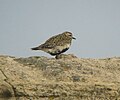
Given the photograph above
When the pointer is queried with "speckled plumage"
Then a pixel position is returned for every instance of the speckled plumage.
(56, 44)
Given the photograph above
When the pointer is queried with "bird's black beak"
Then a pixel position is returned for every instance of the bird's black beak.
(74, 38)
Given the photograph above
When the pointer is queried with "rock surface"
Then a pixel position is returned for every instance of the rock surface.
(67, 78)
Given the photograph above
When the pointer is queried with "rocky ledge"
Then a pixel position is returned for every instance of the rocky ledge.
(66, 78)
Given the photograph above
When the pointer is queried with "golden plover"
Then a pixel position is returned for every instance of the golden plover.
(56, 44)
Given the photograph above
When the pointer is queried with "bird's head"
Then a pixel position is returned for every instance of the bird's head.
(69, 35)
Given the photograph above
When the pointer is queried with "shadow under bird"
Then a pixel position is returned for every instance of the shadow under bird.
(57, 44)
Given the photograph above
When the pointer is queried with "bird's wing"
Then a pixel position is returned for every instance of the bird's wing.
(50, 43)
(47, 46)
(53, 42)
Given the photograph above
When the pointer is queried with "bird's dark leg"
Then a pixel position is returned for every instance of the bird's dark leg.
(57, 56)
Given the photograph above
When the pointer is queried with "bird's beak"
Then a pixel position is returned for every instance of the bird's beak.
(74, 38)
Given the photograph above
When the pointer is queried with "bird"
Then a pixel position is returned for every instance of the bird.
(56, 44)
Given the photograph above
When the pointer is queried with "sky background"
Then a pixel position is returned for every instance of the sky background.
(27, 23)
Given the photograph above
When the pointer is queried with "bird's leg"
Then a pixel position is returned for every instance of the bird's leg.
(57, 56)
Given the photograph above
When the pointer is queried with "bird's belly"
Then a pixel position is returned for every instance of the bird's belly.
(58, 49)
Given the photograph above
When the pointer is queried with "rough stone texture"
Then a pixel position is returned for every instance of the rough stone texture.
(66, 78)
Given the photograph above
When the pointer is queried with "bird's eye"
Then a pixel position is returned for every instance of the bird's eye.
(70, 34)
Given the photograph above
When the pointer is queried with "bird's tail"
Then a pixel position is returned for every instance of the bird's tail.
(35, 48)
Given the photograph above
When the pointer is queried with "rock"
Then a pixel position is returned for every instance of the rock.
(66, 78)
(64, 56)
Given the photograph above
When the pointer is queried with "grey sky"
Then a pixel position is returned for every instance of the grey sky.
(27, 23)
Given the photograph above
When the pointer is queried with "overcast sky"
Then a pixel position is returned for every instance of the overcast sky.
(28, 23)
